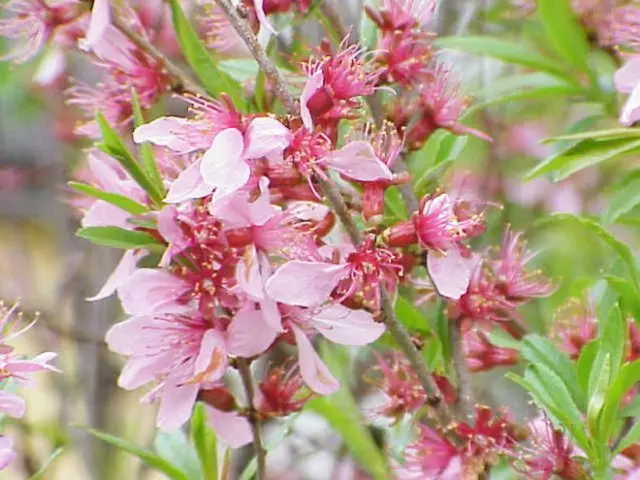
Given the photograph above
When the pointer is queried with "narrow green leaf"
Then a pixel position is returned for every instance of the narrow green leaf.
(610, 134)
(120, 201)
(585, 154)
(205, 441)
(632, 437)
(449, 148)
(40, 473)
(623, 251)
(628, 376)
(214, 80)
(116, 237)
(147, 156)
(148, 457)
(113, 145)
(500, 338)
(566, 35)
(176, 449)
(584, 365)
(505, 50)
(394, 205)
(410, 316)
(598, 384)
(540, 351)
(623, 200)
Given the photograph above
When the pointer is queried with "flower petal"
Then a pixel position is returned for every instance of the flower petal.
(211, 362)
(125, 268)
(98, 23)
(176, 405)
(627, 77)
(450, 272)
(304, 283)
(12, 404)
(358, 160)
(262, 18)
(631, 110)
(264, 136)
(166, 132)
(346, 326)
(249, 334)
(222, 165)
(233, 429)
(312, 369)
(148, 290)
(188, 185)
(314, 83)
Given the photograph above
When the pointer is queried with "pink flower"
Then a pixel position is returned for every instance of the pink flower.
(430, 457)
(627, 80)
(511, 278)
(98, 24)
(402, 15)
(231, 427)
(282, 392)
(226, 165)
(12, 404)
(220, 35)
(32, 25)
(480, 354)
(7, 453)
(574, 326)
(179, 350)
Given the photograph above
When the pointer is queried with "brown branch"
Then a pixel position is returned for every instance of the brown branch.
(337, 204)
(261, 454)
(250, 40)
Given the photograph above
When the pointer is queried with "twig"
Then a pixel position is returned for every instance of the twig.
(261, 453)
(250, 40)
(337, 204)
(183, 81)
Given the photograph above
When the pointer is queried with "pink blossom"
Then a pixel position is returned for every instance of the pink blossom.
(430, 457)
(282, 392)
(7, 453)
(627, 80)
(98, 23)
(179, 351)
(32, 24)
(401, 15)
(480, 354)
(231, 427)
(574, 326)
(12, 404)
(150, 290)
(124, 270)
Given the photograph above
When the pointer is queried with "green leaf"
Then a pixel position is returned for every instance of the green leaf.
(175, 448)
(40, 473)
(505, 50)
(598, 383)
(623, 200)
(205, 441)
(585, 362)
(394, 205)
(540, 351)
(116, 237)
(341, 411)
(120, 201)
(632, 437)
(585, 154)
(240, 69)
(611, 134)
(146, 150)
(566, 35)
(502, 339)
(148, 457)
(628, 376)
(214, 80)
(449, 148)
(113, 145)
(623, 251)
(410, 316)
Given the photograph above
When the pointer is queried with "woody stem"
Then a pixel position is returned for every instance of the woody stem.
(336, 202)
(261, 454)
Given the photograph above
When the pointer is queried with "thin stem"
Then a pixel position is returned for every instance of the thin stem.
(261, 454)
(339, 207)
(183, 81)
(250, 40)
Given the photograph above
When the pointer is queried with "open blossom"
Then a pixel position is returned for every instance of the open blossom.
(480, 354)
(282, 392)
(574, 326)
(32, 23)
(333, 86)
(430, 457)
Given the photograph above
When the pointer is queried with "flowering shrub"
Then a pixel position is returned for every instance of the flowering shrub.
(310, 197)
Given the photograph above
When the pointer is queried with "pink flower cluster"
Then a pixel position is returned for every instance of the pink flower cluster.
(15, 370)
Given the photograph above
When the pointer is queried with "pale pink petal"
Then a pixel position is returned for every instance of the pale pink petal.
(450, 272)
(12, 404)
(222, 165)
(312, 369)
(51, 68)
(346, 326)
(148, 289)
(167, 132)
(358, 160)
(125, 268)
(265, 136)
(98, 23)
(105, 214)
(249, 334)
(176, 405)
(627, 77)
(211, 362)
(233, 429)
(262, 18)
(304, 210)
(139, 371)
(125, 337)
(305, 283)
(314, 83)
(631, 110)
(441, 205)
(7, 454)
(188, 185)
(248, 275)
(453, 470)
